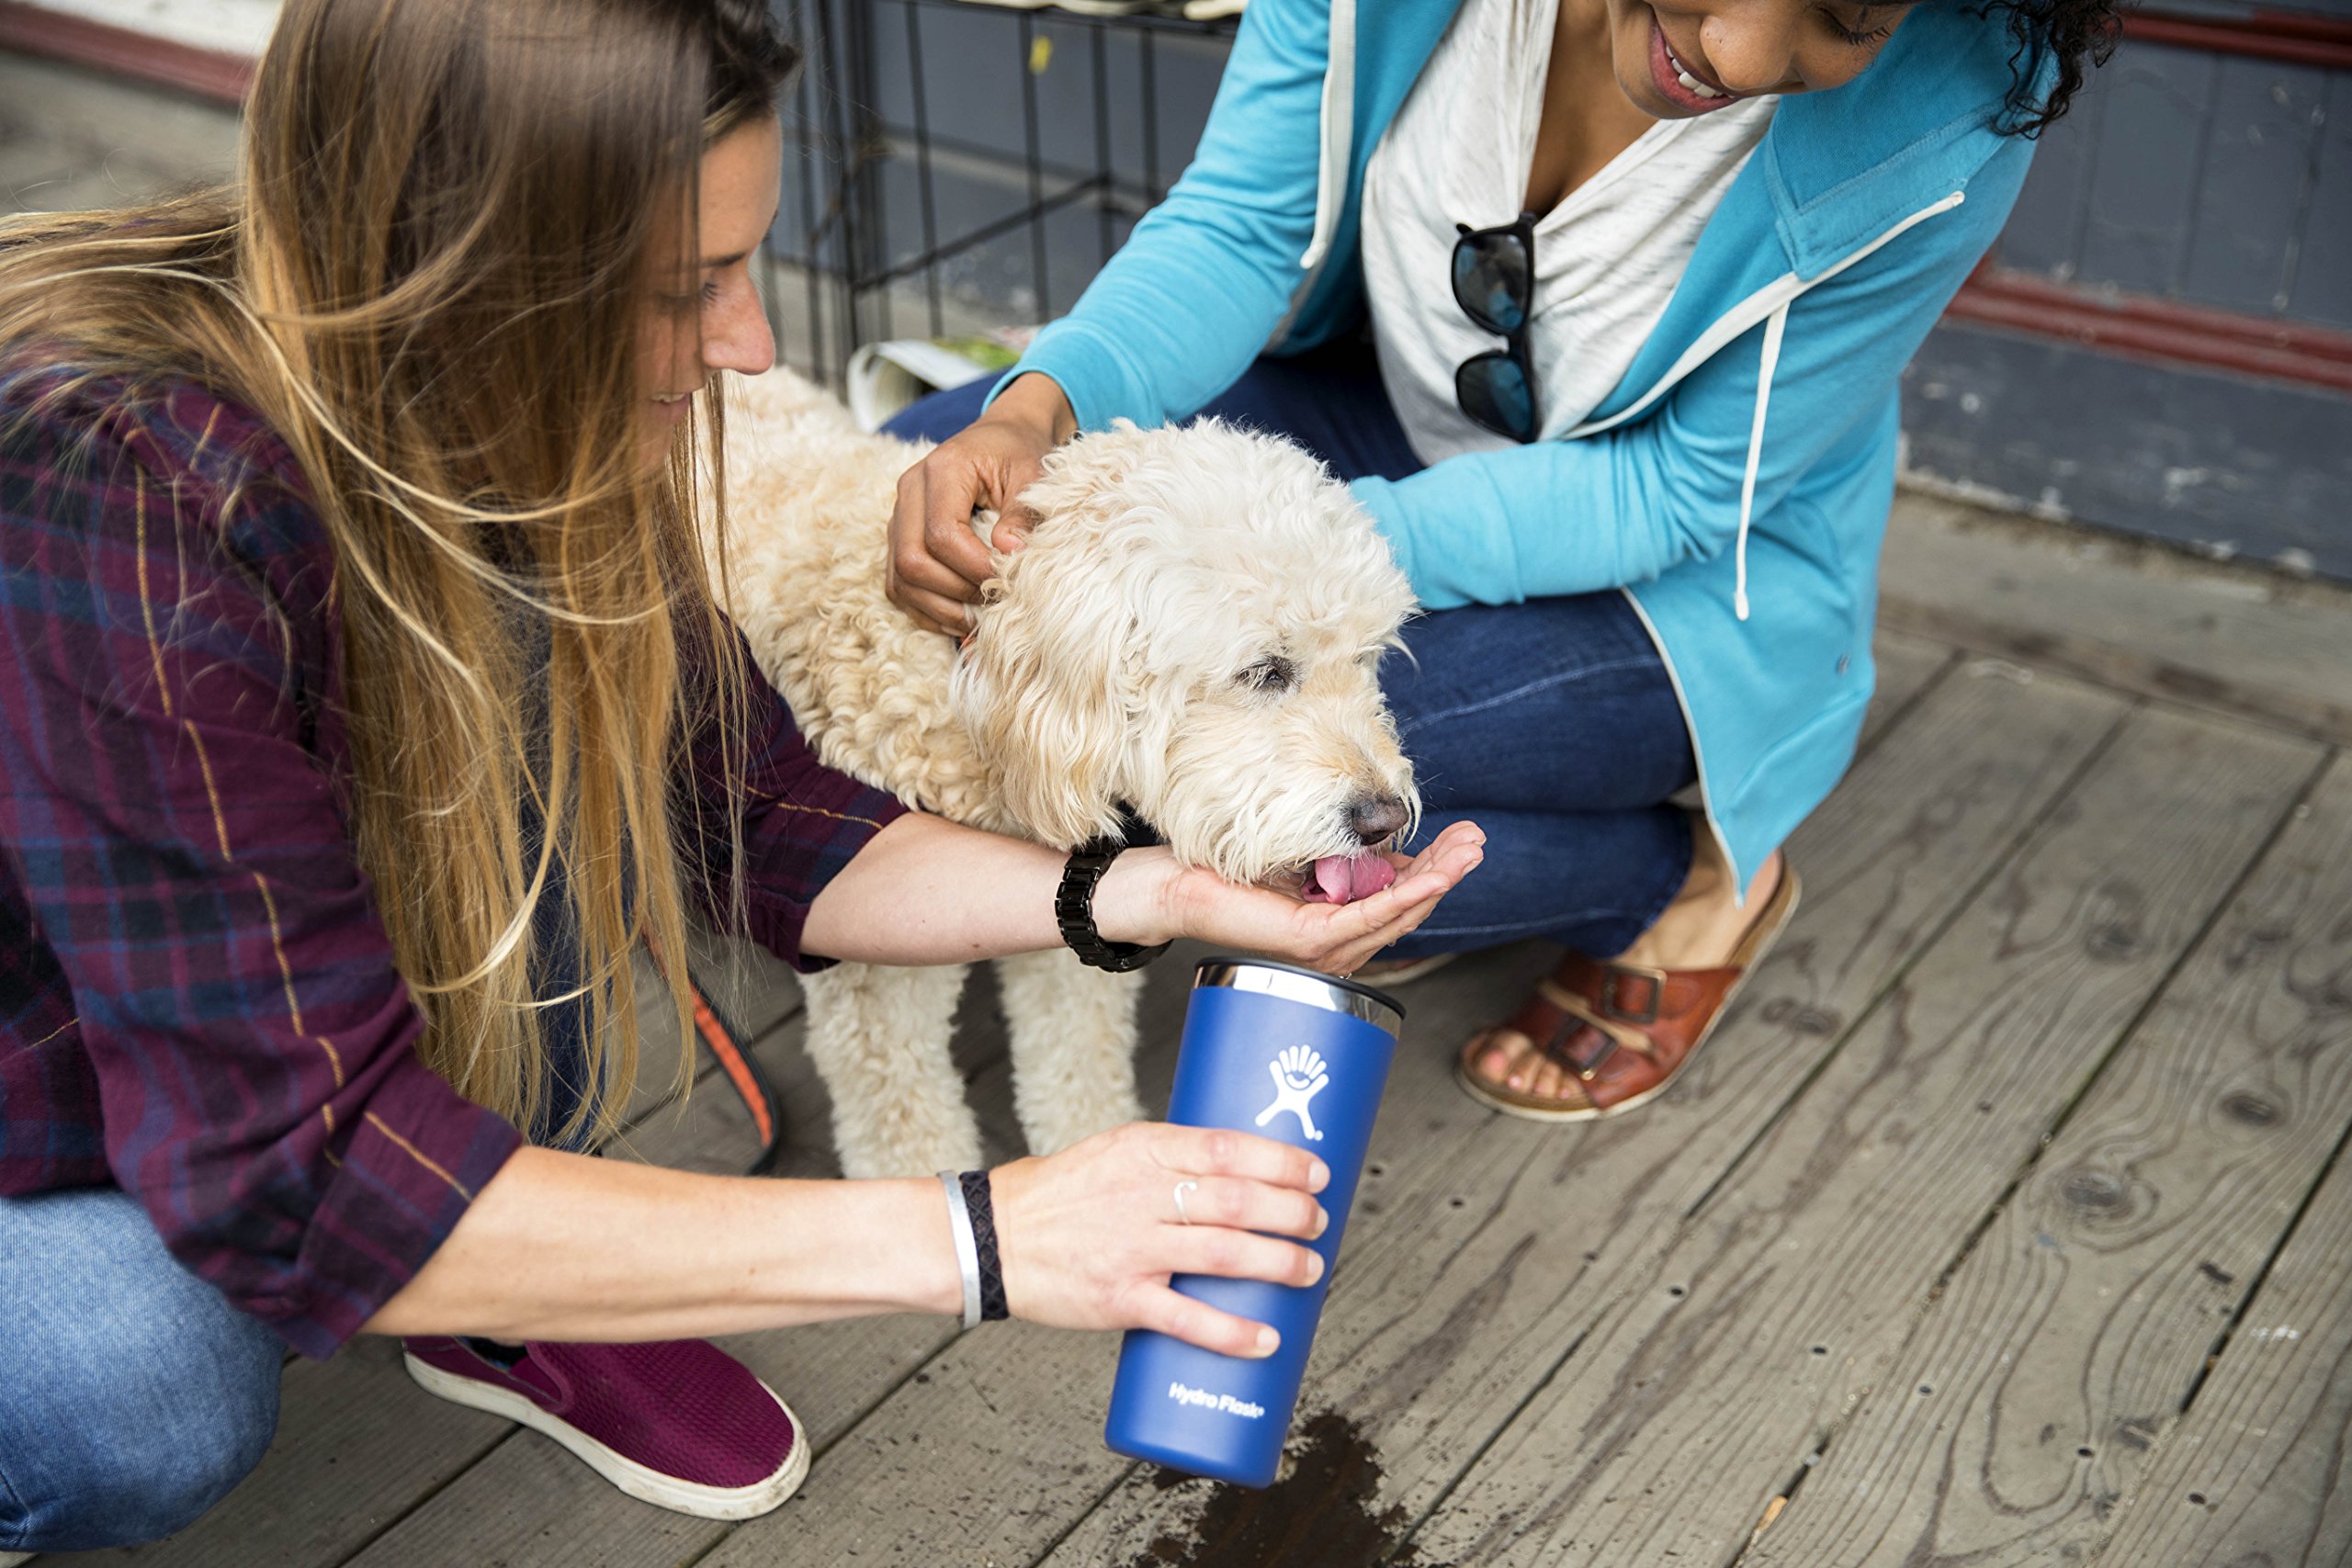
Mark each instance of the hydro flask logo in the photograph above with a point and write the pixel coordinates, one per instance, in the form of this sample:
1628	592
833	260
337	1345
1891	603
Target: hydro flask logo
1298	1077
1201	1398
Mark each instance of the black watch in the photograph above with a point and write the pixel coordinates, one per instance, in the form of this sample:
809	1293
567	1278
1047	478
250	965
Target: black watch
1074	911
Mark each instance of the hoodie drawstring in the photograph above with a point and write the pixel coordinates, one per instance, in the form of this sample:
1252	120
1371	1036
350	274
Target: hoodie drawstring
1339	133
1776	327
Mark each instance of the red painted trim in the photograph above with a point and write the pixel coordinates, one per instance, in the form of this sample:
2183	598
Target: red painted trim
2162	330
124	51
2322	41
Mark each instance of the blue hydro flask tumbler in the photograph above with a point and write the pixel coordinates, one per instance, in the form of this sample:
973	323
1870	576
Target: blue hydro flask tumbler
1289	1054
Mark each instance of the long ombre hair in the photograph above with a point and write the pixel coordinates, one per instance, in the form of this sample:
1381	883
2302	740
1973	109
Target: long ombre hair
433	277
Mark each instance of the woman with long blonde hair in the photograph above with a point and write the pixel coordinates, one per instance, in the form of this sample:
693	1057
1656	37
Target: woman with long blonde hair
372	697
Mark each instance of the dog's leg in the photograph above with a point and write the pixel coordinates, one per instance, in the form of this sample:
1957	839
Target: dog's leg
880	1039
1072	1033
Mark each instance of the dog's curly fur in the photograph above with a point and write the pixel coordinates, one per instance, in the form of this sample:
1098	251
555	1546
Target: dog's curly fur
1193	629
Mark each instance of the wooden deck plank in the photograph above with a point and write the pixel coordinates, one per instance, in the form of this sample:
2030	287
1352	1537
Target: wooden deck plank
527	1504
2070	1337
1992	754
1907	666
2259	1473
531	1501
1788	1295
2254	1472
2236	640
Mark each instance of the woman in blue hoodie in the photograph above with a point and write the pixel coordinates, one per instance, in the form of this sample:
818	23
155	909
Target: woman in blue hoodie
1600	306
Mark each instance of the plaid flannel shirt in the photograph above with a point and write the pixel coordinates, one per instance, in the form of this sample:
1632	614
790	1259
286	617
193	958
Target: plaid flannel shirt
197	1000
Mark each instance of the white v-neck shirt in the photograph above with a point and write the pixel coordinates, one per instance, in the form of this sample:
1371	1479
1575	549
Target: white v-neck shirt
1607	258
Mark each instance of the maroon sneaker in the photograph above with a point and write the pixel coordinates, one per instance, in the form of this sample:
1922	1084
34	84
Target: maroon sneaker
680	1424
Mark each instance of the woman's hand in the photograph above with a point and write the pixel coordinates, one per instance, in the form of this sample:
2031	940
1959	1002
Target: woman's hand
1147	897
1088	1237
937	563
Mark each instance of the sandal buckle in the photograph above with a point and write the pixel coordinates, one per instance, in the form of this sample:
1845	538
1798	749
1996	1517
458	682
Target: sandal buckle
1590	1069
1613	991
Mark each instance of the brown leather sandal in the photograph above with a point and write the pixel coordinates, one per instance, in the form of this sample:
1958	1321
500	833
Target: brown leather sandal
1625	1031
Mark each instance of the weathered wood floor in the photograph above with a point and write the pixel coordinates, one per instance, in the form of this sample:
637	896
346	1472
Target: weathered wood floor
2002	1225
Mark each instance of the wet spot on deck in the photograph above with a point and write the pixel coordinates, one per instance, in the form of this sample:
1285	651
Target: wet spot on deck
1323	1512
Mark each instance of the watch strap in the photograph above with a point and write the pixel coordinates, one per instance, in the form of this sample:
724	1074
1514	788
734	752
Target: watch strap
1074	911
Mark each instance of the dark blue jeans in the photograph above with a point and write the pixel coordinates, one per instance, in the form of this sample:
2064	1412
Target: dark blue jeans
1553	723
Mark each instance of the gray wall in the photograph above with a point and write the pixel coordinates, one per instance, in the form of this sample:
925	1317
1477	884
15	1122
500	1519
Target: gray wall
2209	179
2214	180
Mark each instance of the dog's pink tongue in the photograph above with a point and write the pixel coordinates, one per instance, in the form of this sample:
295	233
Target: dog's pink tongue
1343	879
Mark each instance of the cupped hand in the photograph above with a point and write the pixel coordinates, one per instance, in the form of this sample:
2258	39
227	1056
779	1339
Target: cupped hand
1090	1237
937	563
1147	897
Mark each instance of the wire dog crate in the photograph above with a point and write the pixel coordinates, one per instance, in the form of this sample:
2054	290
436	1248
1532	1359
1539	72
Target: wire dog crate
955	165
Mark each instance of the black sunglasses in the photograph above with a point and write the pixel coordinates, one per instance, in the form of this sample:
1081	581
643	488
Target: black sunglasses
1494	282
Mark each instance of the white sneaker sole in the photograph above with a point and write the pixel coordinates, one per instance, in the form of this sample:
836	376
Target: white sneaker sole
645	1485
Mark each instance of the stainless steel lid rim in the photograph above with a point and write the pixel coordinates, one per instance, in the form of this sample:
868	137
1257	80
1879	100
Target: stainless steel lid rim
1292	983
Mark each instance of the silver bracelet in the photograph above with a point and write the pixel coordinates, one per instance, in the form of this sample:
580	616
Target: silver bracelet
967	1249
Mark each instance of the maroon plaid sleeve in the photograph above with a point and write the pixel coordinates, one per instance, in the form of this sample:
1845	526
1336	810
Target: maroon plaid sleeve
801	820
203	1007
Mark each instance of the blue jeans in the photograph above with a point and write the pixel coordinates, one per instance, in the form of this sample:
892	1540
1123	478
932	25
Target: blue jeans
1553	723
132	1396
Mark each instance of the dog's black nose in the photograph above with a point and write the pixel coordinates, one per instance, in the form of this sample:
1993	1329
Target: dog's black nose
1374	818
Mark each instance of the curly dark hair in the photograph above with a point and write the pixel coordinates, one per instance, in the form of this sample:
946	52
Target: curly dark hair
2069	32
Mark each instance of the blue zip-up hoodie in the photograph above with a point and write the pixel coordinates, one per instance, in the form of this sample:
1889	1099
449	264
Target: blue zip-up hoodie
1735	484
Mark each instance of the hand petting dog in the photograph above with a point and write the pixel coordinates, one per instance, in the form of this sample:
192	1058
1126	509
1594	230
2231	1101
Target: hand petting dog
937	563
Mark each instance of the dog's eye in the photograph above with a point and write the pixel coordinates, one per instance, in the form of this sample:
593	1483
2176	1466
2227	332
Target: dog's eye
1275	675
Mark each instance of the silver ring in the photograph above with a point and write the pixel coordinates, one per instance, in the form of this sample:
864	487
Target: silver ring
1182	1188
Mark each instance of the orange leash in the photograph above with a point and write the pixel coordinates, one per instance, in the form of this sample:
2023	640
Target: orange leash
742	1070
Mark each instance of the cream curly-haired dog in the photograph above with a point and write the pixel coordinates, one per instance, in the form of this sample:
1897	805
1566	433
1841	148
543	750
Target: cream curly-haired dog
1192	630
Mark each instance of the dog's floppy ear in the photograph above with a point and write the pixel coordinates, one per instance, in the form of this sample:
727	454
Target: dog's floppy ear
1044	689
